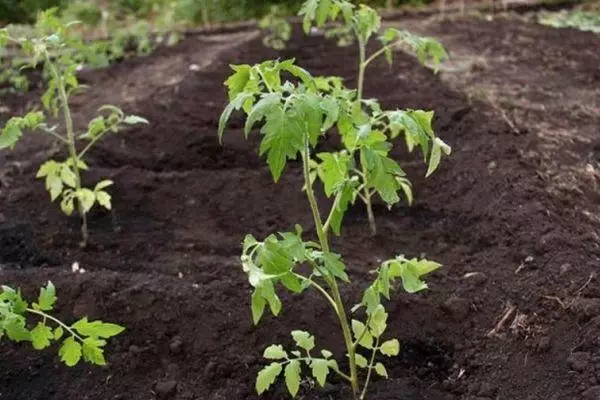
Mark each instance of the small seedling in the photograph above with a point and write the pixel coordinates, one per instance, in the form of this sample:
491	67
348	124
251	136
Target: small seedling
63	178
294	116
278	29
82	340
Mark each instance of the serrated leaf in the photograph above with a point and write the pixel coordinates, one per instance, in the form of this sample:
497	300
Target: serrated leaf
304	340
14	326
92	351
96	329
54	184
266	377
274	352
262	108
333	170
70	352
361	361
332	263
47	298
48	168
41	336
10	135
380	369
361	332
235	104
292	377
390	348
320	370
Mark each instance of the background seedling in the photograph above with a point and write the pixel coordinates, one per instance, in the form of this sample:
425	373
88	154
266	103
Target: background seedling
82	340
294	117
375	175
59	54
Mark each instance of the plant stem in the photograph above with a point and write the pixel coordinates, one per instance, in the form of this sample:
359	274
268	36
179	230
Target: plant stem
361	78
56	321
364	391
64	100
323	239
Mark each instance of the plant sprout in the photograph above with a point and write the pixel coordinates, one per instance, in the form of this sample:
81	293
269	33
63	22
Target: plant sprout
59	55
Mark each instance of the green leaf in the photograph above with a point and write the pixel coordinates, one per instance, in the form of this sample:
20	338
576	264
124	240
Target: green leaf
390	348
378	321
275	352
95	127
87	198
66	205
292	377
96	329
333	170
238	81
262	108
323	11
10	135
361	332
14	326
68	176
236	104
320	370
257	306
380	369
332	263
47	298
134	119
70	352
436	155
58	333
347	197
48	168
283	139
266	377
309	11
41	336
326	353
54	184
361	361
104	199
93	352
304	340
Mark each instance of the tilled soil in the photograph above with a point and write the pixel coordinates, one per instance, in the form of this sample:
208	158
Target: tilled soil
512	215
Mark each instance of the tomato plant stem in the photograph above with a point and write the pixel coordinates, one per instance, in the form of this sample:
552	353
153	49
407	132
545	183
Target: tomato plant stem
361	78
64	100
323	239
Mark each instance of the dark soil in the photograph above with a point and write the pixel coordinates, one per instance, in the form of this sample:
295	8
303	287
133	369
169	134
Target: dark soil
164	262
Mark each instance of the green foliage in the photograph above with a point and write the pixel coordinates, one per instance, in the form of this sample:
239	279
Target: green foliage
294	115
60	53
81	340
278	29
583	20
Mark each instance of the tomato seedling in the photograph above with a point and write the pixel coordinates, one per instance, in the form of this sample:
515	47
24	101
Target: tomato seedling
294	116
82	340
59	54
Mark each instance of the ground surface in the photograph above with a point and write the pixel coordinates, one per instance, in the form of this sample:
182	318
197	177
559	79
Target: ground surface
512	215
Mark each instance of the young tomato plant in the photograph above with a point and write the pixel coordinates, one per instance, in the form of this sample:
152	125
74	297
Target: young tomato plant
83	339
59	55
350	24
294	116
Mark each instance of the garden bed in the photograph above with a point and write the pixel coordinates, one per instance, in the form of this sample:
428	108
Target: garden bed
513	237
